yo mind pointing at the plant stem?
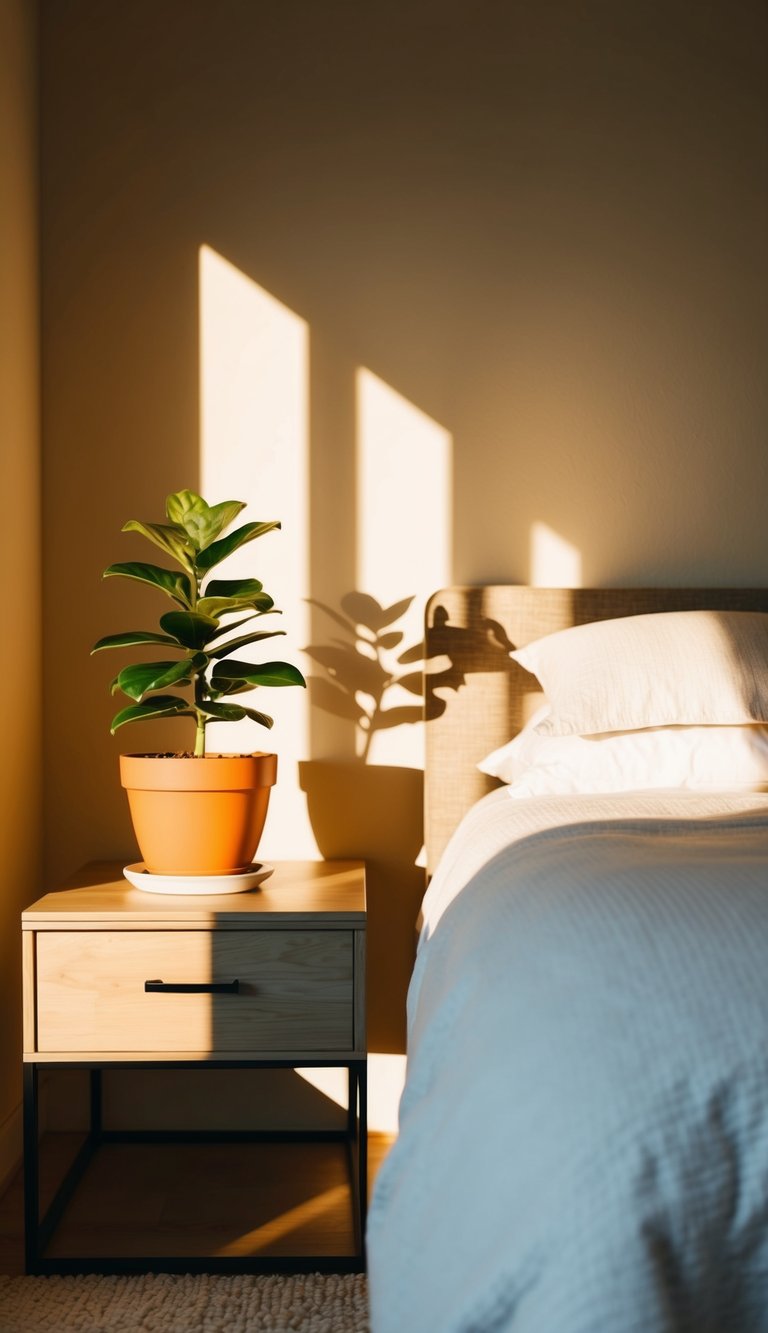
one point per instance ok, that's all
(199, 679)
(200, 736)
(200, 716)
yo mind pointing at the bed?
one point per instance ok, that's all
(583, 1141)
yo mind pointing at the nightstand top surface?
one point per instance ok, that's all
(327, 893)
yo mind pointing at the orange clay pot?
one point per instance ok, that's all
(198, 816)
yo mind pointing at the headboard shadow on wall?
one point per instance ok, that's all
(476, 698)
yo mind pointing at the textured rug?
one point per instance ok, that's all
(311, 1303)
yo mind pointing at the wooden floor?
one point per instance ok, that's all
(225, 1199)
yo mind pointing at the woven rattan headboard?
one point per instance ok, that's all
(477, 698)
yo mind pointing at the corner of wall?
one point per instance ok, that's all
(20, 467)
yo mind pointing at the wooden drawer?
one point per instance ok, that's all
(295, 990)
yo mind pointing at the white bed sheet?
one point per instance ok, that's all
(583, 1138)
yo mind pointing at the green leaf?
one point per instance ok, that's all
(239, 588)
(234, 713)
(222, 514)
(141, 678)
(243, 640)
(189, 628)
(227, 629)
(263, 673)
(221, 606)
(176, 586)
(160, 705)
(219, 551)
(172, 540)
(182, 503)
(201, 521)
(132, 637)
(229, 687)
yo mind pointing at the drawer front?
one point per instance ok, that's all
(295, 991)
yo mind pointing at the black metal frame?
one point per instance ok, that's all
(38, 1230)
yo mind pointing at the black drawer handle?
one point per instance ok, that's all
(193, 987)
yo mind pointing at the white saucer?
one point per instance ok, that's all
(141, 878)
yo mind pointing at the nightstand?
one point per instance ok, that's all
(273, 978)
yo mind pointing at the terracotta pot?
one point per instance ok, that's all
(198, 816)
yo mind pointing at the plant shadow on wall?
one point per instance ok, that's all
(358, 672)
(466, 650)
(365, 674)
(369, 810)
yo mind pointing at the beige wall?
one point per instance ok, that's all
(542, 224)
(20, 776)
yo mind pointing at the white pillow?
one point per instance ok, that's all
(674, 668)
(700, 758)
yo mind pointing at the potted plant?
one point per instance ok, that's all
(196, 813)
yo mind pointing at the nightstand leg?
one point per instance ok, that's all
(362, 1149)
(352, 1102)
(357, 1133)
(38, 1230)
(31, 1169)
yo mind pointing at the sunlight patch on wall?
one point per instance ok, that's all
(404, 521)
(554, 562)
(254, 405)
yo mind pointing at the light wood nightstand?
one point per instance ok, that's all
(114, 977)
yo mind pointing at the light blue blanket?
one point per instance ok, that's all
(584, 1129)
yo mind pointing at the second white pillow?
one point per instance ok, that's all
(700, 758)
